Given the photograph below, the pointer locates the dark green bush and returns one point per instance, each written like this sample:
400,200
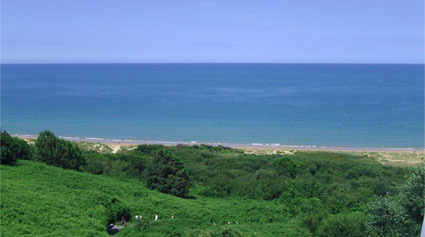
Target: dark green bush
58,152
287,166
148,149
96,163
123,164
12,149
167,175
344,224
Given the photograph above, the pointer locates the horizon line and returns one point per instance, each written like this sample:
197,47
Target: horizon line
41,63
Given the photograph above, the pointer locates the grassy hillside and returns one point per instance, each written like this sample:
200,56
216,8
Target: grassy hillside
37,199
296,194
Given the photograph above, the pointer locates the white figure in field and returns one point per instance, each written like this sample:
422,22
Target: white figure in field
138,217
228,223
156,217
172,217
237,223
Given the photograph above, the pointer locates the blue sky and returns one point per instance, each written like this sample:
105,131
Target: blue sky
350,31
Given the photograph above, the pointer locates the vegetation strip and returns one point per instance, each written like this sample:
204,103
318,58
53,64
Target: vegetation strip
209,191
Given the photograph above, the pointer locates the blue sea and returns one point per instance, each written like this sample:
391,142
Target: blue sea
359,105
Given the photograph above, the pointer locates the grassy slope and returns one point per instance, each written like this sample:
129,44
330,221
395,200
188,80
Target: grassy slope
42,200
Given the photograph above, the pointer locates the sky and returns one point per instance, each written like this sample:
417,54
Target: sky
282,31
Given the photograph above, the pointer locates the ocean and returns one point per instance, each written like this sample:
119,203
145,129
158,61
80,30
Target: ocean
359,105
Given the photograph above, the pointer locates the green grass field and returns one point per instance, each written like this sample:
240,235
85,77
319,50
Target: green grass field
41,200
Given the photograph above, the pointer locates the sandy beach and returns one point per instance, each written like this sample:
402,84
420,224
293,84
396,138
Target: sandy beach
256,146
386,155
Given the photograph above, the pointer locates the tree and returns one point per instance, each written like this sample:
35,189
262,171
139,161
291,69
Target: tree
58,152
167,175
401,211
12,149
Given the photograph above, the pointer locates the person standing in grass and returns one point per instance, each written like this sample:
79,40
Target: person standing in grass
123,222
156,217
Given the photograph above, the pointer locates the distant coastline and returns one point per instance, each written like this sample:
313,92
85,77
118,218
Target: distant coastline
232,145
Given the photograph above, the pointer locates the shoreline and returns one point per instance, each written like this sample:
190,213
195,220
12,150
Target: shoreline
260,146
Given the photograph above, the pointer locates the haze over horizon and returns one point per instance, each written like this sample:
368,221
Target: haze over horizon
49,31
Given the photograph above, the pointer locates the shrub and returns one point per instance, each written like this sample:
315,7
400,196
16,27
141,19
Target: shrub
95,163
131,165
148,149
12,149
286,165
167,175
122,164
343,224
58,152
219,189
